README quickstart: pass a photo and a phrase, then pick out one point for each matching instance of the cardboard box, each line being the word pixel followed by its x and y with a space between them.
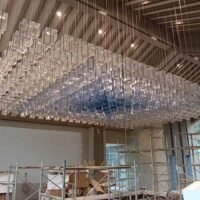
pixel 3 196
pixel 82 180
pixel 56 193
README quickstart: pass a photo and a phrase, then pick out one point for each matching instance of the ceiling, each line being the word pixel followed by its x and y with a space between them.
pixel 156 40
pixel 144 32
pixel 179 15
pixel 172 23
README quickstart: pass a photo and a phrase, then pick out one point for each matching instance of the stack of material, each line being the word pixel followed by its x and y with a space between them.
pixel 56 192
pixel 80 180
pixel 54 186
pixel 3 196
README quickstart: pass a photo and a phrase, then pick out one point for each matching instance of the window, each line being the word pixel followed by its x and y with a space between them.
pixel 115 156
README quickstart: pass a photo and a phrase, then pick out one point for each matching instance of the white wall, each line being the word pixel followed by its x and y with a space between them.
pixel 29 144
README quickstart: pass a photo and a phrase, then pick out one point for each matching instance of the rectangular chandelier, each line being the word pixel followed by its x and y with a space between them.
pixel 69 79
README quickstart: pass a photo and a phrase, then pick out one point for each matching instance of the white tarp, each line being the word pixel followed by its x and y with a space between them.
pixel 5 182
pixel 55 181
pixel 192 192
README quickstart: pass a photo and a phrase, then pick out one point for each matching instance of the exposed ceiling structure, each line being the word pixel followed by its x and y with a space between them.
pixel 173 14
pixel 180 19
pixel 152 32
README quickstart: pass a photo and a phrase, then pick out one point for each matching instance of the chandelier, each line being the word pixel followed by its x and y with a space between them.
pixel 69 79
pixel 3 22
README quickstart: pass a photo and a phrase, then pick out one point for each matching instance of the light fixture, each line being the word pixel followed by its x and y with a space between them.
pixel 145 2
pixel 100 31
pixel 103 12
pixel 132 45
pixel 2 17
pixel 178 65
pixel 196 58
pixel 178 22
pixel 48 118
pixel 59 13
pixel 95 85
pixel 154 38
pixel 22 115
pixel 3 22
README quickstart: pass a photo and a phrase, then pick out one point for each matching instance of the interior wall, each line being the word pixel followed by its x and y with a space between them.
pixel 114 137
pixel 29 144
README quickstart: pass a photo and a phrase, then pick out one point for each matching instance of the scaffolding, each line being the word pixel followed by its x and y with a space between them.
pixel 114 185
pixel 186 151
pixel 151 159
pixel 160 164
pixel 129 185
pixel 110 178
pixel 8 184
pixel 16 177
pixel 189 170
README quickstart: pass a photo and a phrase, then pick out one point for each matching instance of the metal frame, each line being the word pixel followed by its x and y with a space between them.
pixel 11 183
pixel 110 194
pixel 193 151
pixel 157 178
pixel 15 170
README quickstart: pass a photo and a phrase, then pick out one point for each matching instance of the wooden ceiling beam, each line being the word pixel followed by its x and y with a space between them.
pixel 14 14
pixel 116 17
pixel 156 5
pixel 181 8
pixel 69 20
pixel 145 53
pixel 167 59
pixel 182 14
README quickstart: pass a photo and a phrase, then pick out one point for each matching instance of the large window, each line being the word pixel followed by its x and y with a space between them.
pixel 115 156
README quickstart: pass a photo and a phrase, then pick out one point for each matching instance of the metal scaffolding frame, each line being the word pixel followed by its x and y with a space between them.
pixel 112 191
pixel 157 178
pixel 189 169
pixel 160 175
pixel 15 170
pixel 111 194
pixel 10 183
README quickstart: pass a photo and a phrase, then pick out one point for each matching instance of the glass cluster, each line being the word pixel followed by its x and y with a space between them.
pixel 69 79
pixel 3 22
